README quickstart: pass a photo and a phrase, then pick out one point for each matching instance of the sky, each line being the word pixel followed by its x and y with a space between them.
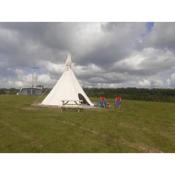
pixel 105 55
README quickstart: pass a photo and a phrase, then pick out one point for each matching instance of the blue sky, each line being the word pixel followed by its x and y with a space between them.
pixel 149 26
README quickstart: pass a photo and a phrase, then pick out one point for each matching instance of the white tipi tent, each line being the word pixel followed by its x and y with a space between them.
pixel 67 91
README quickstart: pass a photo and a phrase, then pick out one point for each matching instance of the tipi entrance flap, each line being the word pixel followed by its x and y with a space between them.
pixel 82 99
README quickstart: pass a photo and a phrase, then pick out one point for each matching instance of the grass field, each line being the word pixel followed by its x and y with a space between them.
pixel 137 127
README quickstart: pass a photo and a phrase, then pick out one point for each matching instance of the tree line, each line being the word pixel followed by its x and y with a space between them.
pixel 166 95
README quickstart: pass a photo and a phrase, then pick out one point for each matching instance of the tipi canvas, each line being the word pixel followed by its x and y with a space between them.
pixel 67 92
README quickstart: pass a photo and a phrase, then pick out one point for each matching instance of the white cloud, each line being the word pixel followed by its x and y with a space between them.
pixel 45 79
pixel 171 80
pixel 86 70
pixel 51 67
pixel 145 83
pixel 132 62
pixel 19 84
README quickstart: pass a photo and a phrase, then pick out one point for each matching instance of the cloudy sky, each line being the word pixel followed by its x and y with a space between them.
pixel 104 54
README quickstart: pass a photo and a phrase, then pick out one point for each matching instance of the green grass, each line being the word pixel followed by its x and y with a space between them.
pixel 137 127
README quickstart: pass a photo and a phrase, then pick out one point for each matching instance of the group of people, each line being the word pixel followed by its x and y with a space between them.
pixel 105 104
